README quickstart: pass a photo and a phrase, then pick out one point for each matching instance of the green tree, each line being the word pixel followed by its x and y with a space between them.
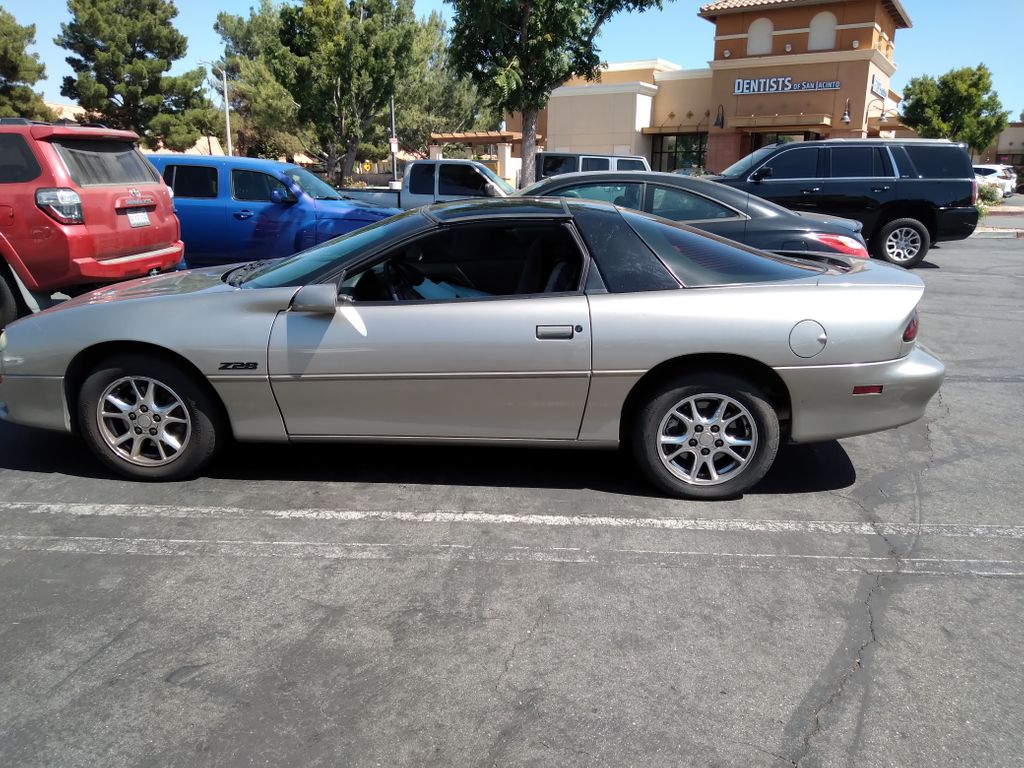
pixel 959 105
pixel 433 97
pixel 264 119
pixel 122 50
pixel 518 51
pixel 348 58
pixel 19 71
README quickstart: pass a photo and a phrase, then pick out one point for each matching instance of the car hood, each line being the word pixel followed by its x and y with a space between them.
pixel 353 209
pixel 836 224
pixel 208 280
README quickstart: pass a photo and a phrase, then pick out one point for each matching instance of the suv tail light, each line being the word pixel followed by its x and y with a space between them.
pixel 850 246
pixel 910 332
pixel 61 204
pixel 974 191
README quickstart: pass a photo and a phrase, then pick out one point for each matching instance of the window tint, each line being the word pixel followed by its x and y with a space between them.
pixel 795 164
pixel 680 205
pixel 91 162
pixel 460 179
pixel 859 162
pixel 940 162
pixel 631 165
pixel 625 263
pixel 984 171
pixel 594 164
pixel 473 261
pixel 552 165
pixel 191 180
pixel 421 179
pixel 17 163
pixel 701 260
pixel 626 195
pixel 255 186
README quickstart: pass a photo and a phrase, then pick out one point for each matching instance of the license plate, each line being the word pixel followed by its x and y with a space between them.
pixel 138 218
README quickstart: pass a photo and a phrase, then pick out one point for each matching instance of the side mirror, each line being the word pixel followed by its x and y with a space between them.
pixel 491 191
pixel 280 197
pixel 317 298
pixel 764 172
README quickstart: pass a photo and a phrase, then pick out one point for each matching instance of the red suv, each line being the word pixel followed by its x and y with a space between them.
pixel 79 206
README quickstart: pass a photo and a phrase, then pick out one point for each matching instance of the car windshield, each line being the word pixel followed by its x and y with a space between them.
pixel 311 184
pixel 503 185
pixel 746 164
pixel 312 264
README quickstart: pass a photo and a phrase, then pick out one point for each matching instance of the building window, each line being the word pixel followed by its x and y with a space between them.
pixel 822 36
pixel 759 37
pixel 679 151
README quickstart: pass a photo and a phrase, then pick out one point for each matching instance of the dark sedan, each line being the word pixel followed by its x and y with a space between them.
pixel 715 208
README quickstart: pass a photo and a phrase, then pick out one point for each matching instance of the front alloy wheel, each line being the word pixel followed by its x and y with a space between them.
pixel 706 436
pixel 148 418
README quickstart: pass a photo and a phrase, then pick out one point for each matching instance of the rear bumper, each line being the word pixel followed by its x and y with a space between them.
pixel 88 269
pixel 35 401
pixel 956 223
pixel 825 408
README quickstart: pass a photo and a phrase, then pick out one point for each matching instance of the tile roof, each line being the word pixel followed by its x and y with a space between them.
pixel 710 10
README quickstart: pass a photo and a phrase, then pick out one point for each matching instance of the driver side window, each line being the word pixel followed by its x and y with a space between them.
pixel 474 261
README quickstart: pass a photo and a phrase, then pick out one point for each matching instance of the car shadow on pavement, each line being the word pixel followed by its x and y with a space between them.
pixel 798 469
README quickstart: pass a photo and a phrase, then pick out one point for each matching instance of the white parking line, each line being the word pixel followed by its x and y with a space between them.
pixel 768 561
pixel 448 517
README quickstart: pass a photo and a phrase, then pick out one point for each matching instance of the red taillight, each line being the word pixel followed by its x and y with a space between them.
pixel 850 246
pixel 868 389
pixel 910 332
pixel 974 191
pixel 61 204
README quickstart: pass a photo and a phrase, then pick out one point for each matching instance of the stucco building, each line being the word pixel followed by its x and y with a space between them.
pixel 782 69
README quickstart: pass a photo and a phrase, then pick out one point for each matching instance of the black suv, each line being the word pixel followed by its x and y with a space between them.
pixel 908 193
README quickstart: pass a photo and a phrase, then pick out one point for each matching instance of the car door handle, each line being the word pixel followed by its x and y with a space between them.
pixel 246 214
pixel 811 191
pixel 880 189
pixel 545 332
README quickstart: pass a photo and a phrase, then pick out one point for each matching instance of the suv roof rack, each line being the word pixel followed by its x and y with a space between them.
pixel 63 122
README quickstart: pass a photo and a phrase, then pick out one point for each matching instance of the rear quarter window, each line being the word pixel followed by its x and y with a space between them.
pixel 701 260
pixel 92 162
pixel 625 263
pixel 940 162
pixel 17 163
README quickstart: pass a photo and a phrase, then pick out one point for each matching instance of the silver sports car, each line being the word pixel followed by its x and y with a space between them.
pixel 527 321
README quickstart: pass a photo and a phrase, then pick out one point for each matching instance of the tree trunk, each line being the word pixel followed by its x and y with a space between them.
pixel 350 158
pixel 527 175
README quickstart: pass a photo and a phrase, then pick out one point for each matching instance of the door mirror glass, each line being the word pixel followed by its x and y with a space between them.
pixel 281 197
pixel 764 172
pixel 492 191
pixel 318 298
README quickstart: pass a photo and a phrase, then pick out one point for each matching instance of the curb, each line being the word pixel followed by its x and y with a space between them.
pixel 1000 234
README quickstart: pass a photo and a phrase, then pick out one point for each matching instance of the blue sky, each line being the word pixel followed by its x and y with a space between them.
pixel 944 36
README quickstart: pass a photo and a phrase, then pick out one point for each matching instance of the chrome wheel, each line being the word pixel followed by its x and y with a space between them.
pixel 903 244
pixel 707 439
pixel 143 421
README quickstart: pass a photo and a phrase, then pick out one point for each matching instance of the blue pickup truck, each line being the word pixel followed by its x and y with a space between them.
pixel 235 209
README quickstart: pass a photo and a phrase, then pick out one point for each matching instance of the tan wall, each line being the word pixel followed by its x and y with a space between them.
pixel 599 122
pixel 1011 140
pixel 676 98
pixel 855 12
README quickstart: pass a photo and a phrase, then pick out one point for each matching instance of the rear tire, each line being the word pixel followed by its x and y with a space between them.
pixel 706 436
pixel 147 419
pixel 9 305
pixel 903 242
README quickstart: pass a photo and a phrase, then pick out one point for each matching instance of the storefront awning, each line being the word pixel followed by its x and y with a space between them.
pixel 755 123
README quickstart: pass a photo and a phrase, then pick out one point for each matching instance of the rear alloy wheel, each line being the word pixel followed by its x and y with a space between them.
pixel 706 436
pixel 147 420
pixel 903 242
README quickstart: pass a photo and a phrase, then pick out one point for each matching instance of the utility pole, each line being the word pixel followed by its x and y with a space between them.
pixel 394 139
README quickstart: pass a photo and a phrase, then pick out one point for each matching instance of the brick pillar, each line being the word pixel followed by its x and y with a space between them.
pixel 724 149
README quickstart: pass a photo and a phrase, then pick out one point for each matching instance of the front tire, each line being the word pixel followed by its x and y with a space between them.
pixel 148 420
pixel 903 242
pixel 706 436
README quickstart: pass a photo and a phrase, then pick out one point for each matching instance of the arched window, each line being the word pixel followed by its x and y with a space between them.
pixel 823 32
pixel 759 37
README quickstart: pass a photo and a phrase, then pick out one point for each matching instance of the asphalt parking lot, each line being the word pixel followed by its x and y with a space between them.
pixel 373 606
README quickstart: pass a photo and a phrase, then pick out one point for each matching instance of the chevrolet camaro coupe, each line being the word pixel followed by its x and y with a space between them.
pixel 544 322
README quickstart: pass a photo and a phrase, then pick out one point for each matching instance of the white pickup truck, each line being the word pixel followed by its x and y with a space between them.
pixel 434 181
